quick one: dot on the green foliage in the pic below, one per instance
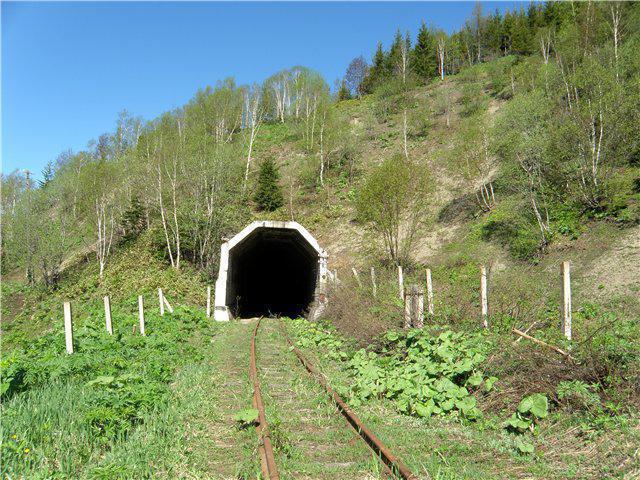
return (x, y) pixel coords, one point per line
(115, 383)
(247, 416)
(393, 196)
(422, 373)
(268, 194)
(531, 410)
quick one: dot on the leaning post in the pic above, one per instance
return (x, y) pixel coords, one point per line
(107, 315)
(357, 277)
(141, 314)
(565, 272)
(68, 327)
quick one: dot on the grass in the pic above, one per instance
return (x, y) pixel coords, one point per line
(310, 437)
(571, 443)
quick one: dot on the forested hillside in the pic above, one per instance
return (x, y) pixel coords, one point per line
(512, 143)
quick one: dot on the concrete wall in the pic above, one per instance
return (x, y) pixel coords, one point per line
(222, 311)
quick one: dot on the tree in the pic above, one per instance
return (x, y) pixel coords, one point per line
(355, 75)
(392, 202)
(343, 91)
(47, 174)
(268, 195)
(425, 62)
(252, 118)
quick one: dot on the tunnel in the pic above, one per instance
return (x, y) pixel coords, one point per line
(269, 269)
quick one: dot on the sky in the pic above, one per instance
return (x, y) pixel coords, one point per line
(69, 68)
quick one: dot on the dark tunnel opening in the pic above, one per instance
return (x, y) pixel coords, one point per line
(271, 272)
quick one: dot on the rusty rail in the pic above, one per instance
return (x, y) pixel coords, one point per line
(265, 449)
(393, 463)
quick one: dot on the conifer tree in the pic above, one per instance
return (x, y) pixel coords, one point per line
(343, 91)
(268, 196)
(425, 63)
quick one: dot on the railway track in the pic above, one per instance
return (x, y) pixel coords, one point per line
(391, 464)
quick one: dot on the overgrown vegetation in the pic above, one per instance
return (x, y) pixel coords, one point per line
(62, 413)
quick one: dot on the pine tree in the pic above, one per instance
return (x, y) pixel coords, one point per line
(395, 53)
(425, 63)
(376, 72)
(343, 91)
(133, 219)
(47, 175)
(268, 196)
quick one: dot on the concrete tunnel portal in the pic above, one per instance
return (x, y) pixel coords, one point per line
(271, 268)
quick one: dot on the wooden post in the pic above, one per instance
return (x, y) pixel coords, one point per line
(335, 276)
(107, 315)
(414, 307)
(167, 304)
(208, 301)
(483, 296)
(160, 298)
(141, 314)
(355, 274)
(429, 292)
(565, 271)
(400, 283)
(373, 282)
(68, 327)
(407, 311)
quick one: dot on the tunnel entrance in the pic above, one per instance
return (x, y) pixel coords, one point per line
(270, 268)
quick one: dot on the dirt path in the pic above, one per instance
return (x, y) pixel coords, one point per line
(312, 440)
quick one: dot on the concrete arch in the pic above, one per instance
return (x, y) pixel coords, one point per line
(271, 267)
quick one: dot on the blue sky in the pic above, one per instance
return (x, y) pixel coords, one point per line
(69, 68)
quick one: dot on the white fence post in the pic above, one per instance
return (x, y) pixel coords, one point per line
(141, 314)
(429, 292)
(107, 315)
(373, 282)
(400, 283)
(160, 297)
(357, 277)
(565, 271)
(68, 327)
(483, 296)
(208, 301)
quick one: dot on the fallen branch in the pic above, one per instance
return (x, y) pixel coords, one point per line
(540, 342)
(526, 331)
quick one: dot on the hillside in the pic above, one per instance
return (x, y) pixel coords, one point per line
(517, 162)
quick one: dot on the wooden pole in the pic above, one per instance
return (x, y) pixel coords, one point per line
(400, 283)
(167, 304)
(429, 292)
(373, 282)
(355, 274)
(141, 315)
(483, 296)
(68, 327)
(160, 298)
(107, 315)
(208, 301)
(335, 276)
(565, 271)
(407, 311)
(417, 307)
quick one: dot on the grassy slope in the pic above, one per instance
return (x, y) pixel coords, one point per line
(191, 435)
